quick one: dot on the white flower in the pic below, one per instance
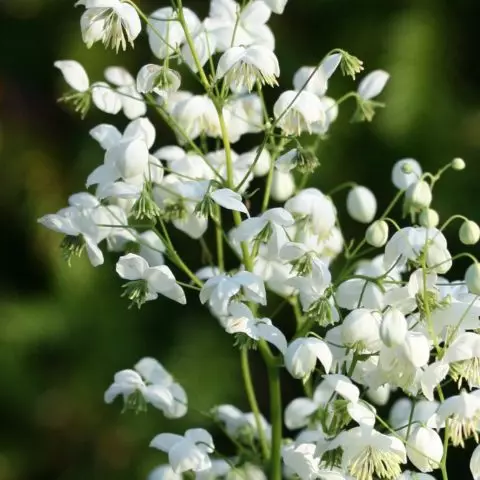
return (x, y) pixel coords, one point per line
(233, 26)
(157, 79)
(302, 461)
(102, 95)
(268, 227)
(298, 411)
(296, 112)
(372, 85)
(154, 384)
(241, 320)
(154, 280)
(125, 382)
(361, 330)
(315, 79)
(361, 204)
(409, 475)
(463, 355)
(405, 172)
(424, 448)
(367, 452)
(302, 355)
(165, 33)
(237, 423)
(220, 289)
(82, 220)
(423, 413)
(244, 66)
(475, 463)
(188, 452)
(114, 22)
(312, 287)
(317, 207)
(462, 412)
(229, 199)
(408, 243)
(132, 101)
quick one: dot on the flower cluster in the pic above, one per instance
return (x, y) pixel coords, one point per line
(389, 318)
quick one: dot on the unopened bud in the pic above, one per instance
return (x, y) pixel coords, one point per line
(469, 233)
(393, 328)
(361, 204)
(429, 218)
(458, 164)
(377, 234)
(419, 195)
(472, 278)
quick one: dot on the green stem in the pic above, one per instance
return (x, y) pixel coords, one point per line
(247, 380)
(276, 416)
(219, 238)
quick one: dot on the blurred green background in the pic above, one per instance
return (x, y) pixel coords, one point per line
(64, 331)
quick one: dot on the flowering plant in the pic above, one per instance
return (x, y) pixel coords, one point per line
(390, 320)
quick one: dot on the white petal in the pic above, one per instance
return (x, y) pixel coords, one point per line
(165, 441)
(119, 76)
(131, 267)
(105, 98)
(229, 199)
(373, 84)
(74, 74)
(106, 135)
(272, 335)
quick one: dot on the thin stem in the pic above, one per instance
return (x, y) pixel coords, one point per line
(219, 238)
(252, 399)
(276, 416)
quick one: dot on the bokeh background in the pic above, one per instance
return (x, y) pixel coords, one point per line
(64, 331)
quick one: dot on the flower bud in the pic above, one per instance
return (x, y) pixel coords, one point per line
(425, 448)
(469, 233)
(377, 234)
(458, 164)
(472, 278)
(429, 218)
(393, 328)
(405, 172)
(283, 186)
(360, 330)
(379, 396)
(419, 195)
(361, 204)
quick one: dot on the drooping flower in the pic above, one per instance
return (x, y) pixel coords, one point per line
(242, 321)
(302, 355)
(219, 290)
(297, 112)
(242, 67)
(145, 282)
(113, 22)
(186, 453)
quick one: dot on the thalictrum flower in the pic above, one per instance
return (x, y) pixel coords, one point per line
(114, 22)
(242, 321)
(302, 355)
(145, 282)
(244, 66)
(188, 452)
